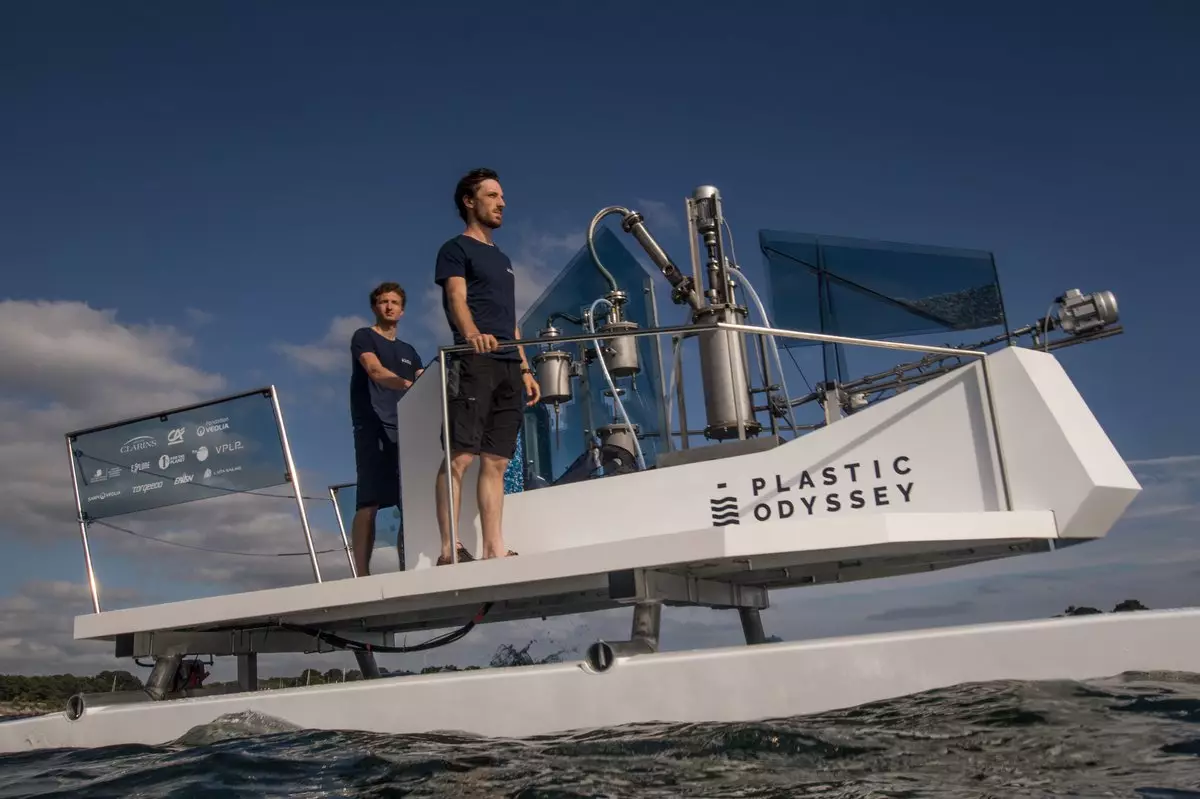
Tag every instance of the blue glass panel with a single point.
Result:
(872, 289)
(228, 446)
(389, 522)
(573, 292)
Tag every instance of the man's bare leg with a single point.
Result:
(490, 493)
(363, 539)
(458, 467)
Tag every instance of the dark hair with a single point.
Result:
(384, 288)
(468, 184)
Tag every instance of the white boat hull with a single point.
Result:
(727, 684)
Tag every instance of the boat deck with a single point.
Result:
(723, 567)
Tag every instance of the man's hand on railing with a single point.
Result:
(483, 342)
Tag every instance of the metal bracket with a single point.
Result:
(641, 585)
(233, 642)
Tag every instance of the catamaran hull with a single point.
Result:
(728, 684)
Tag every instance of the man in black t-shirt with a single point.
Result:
(383, 369)
(485, 385)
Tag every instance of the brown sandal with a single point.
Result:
(463, 557)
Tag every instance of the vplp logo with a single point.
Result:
(724, 509)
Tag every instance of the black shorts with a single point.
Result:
(486, 399)
(377, 463)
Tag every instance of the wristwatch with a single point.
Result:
(525, 370)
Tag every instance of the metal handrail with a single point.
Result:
(696, 329)
(717, 326)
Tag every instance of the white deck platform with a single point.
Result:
(717, 566)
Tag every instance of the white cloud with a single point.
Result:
(199, 317)
(330, 354)
(659, 215)
(66, 366)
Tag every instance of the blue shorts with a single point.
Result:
(377, 463)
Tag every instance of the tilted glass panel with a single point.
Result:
(873, 289)
(578, 285)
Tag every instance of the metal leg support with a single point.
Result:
(752, 626)
(162, 676)
(643, 639)
(248, 671)
(647, 621)
(367, 665)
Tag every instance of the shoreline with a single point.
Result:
(11, 710)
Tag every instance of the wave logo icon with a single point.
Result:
(724, 509)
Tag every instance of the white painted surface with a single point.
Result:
(930, 449)
(727, 684)
(1058, 455)
(822, 540)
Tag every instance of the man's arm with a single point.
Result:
(362, 346)
(381, 374)
(531, 385)
(520, 350)
(450, 273)
(460, 314)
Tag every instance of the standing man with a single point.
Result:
(384, 368)
(485, 385)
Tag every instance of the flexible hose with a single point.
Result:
(591, 234)
(611, 385)
(774, 345)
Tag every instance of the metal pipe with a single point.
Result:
(451, 506)
(991, 407)
(87, 552)
(684, 443)
(697, 329)
(341, 526)
(731, 342)
(767, 382)
(664, 389)
(591, 242)
(295, 480)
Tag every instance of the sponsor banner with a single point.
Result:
(225, 447)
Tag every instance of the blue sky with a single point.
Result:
(244, 173)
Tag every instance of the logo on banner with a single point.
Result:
(138, 444)
(201, 454)
(167, 461)
(213, 426)
(225, 449)
(175, 436)
(832, 489)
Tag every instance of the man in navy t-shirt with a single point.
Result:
(485, 385)
(384, 368)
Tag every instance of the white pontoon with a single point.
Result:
(985, 453)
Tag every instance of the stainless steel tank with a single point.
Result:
(621, 354)
(723, 372)
(618, 434)
(552, 369)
